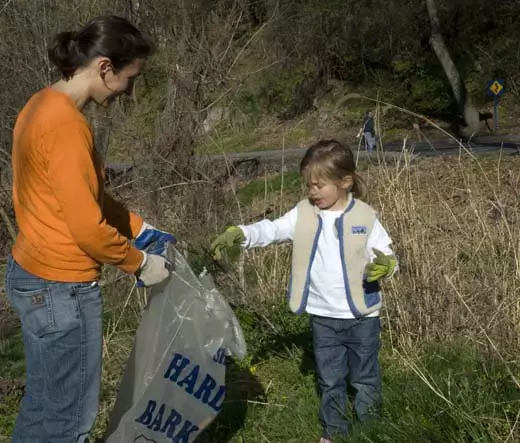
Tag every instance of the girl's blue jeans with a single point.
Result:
(347, 348)
(62, 335)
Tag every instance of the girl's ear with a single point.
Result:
(347, 182)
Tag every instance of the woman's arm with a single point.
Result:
(74, 182)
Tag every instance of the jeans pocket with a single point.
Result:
(87, 297)
(35, 309)
(86, 291)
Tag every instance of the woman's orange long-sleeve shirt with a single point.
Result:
(68, 226)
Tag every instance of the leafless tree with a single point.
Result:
(465, 107)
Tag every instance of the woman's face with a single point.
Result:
(111, 84)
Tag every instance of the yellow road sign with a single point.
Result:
(496, 87)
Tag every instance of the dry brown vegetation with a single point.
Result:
(455, 226)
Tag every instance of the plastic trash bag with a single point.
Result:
(174, 382)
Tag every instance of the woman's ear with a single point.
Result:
(104, 66)
(347, 182)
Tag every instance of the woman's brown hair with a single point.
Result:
(106, 36)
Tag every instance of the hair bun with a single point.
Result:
(106, 36)
(65, 54)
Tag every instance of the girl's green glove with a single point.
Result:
(382, 266)
(232, 236)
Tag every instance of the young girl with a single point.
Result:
(68, 227)
(340, 252)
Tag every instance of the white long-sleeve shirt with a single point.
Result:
(327, 296)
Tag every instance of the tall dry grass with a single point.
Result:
(455, 227)
(455, 224)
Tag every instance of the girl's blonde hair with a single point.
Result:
(332, 161)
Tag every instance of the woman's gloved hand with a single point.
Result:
(153, 270)
(153, 240)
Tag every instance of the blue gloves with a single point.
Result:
(152, 242)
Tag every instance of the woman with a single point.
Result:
(69, 227)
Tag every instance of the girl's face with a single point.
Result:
(328, 194)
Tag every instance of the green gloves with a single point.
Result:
(232, 236)
(382, 266)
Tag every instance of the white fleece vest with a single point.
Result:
(353, 227)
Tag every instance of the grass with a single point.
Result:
(238, 142)
(254, 139)
(12, 369)
(271, 134)
(468, 397)
(439, 393)
(267, 187)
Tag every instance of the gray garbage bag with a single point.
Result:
(174, 382)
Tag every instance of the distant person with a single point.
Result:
(68, 227)
(340, 253)
(368, 131)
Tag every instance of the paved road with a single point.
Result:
(510, 144)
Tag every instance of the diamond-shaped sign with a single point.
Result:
(496, 87)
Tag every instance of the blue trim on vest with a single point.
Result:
(305, 294)
(349, 207)
(341, 237)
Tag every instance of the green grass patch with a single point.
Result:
(299, 136)
(12, 370)
(443, 393)
(12, 361)
(241, 142)
(259, 188)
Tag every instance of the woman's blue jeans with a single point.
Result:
(62, 334)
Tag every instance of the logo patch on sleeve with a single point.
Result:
(359, 229)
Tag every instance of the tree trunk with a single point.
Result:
(133, 9)
(465, 108)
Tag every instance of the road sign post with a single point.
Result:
(495, 88)
(495, 113)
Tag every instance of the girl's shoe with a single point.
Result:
(325, 440)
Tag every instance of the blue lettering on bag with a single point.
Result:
(359, 229)
(188, 376)
(156, 421)
(220, 356)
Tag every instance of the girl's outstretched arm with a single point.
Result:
(267, 232)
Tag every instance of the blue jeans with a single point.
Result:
(347, 347)
(370, 141)
(62, 333)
